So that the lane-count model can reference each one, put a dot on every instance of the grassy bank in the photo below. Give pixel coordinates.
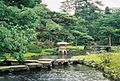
(44, 52)
(108, 62)
(29, 54)
(75, 47)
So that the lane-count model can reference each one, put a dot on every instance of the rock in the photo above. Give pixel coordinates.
(33, 65)
(81, 61)
(13, 68)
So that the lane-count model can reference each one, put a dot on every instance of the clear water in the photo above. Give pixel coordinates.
(49, 57)
(61, 73)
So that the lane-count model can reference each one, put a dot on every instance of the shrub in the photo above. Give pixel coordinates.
(116, 48)
(6, 55)
(75, 50)
(48, 44)
(19, 57)
(106, 58)
(34, 48)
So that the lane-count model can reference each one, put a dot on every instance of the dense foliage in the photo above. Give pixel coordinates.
(102, 25)
(25, 21)
(17, 27)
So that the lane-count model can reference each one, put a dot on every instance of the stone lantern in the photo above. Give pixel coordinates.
(62, 47)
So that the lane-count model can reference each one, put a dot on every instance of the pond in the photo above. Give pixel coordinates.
(50, 57)
(58, 73)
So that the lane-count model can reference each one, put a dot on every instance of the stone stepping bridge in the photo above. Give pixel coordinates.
(38, 64)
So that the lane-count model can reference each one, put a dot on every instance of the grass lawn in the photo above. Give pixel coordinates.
(44, 52)
(114, 64)
(27, 55)
(75, 47)
(98, 58)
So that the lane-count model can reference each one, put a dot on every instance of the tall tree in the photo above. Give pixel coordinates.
(17, 28)
(20, 3)
(68, 6)
(87, 9)
(108, 26)
(107, 10)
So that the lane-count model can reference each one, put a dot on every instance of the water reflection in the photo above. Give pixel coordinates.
(49, 57)
(61, 73)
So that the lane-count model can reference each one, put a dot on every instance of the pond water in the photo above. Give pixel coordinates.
(50, 57)
(59, 73)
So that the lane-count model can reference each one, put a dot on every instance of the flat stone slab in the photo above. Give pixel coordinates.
(73, 60)
(33, 65)
(16, 66)
(31, 61)
(45, 62)
(4, 67)
(12, 60)
(30, 64)
(46, 59)
(61, 60)
(13, 68)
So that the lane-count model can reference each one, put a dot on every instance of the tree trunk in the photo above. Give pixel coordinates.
(76, 42)
(51, 38)
(119, 40)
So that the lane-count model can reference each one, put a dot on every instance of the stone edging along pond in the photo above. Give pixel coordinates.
(110, 74)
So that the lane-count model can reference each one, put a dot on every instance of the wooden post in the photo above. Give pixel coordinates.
(110, 40)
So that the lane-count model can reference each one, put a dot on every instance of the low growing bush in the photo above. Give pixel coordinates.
(34, 48)
(19, 57)
(106, 58)
(75, 50)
